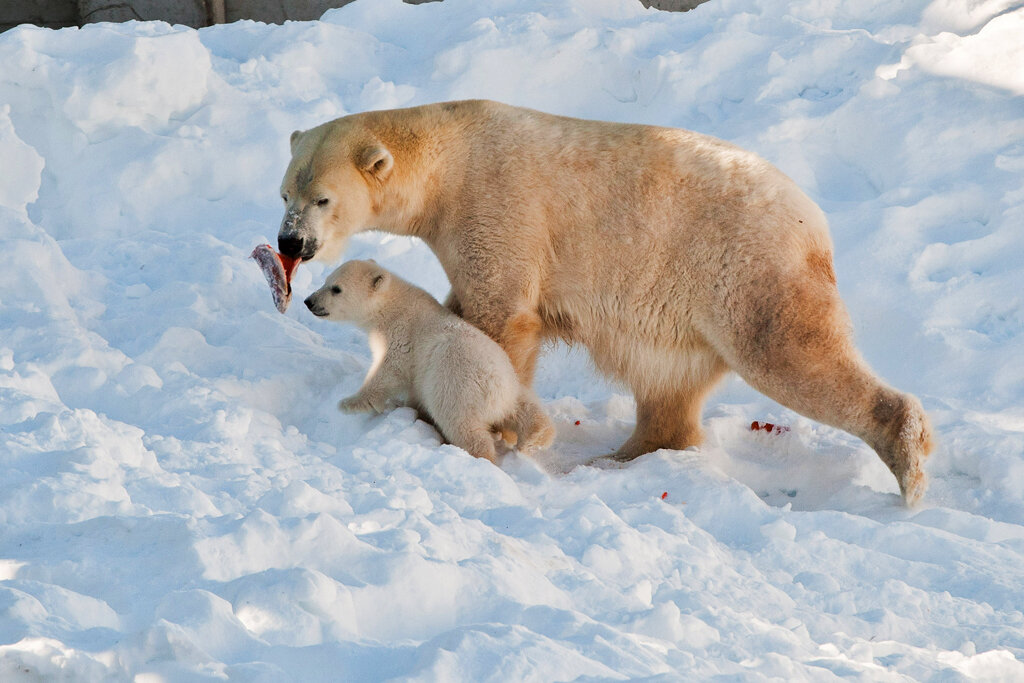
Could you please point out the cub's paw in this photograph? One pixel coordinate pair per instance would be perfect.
(368, 404)
(539, 432)
(355, 404)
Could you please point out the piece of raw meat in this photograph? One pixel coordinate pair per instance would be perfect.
(278, 269)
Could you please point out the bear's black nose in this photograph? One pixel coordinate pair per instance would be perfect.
(290, 246)
(313, 308)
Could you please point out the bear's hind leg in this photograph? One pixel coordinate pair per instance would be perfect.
(669, 405)
(847, 395)
(475, 439)
(531, 427)
(797, 348)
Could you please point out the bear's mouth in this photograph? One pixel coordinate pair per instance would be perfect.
(314, 307)
(289, 264)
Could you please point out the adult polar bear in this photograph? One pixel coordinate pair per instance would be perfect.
(672, 256)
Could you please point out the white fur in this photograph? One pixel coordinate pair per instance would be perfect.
(429, 358)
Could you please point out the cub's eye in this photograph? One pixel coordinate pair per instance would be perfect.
(335, 289)
(284, 198)
(322, 201)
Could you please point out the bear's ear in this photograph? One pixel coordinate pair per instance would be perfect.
(294, 140)
(378, 279)
(376, 160)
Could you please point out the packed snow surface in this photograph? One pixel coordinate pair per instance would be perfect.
(181, 499)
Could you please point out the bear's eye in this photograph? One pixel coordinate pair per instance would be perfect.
(322, 201)
(284, 198)
(335, 289)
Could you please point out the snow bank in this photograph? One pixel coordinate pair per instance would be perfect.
(182, 501)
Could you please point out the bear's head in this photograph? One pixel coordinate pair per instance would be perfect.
(354, 292)
(332, 189)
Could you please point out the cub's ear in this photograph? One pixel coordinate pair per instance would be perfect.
(378, 280)
(295, 138)
(376, 160)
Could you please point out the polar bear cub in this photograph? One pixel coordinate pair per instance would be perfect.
(428, 357)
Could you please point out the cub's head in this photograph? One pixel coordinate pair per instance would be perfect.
(332, 189)
(354, 292)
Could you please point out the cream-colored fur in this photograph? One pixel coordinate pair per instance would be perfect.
(427, 357)
(670, 255)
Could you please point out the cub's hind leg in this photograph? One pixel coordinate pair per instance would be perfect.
(529, 425)
(472, 437)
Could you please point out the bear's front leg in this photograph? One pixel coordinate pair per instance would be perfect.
(520, 337)
(361, 403)
(502, 301)
(516, 328)
(379, 394)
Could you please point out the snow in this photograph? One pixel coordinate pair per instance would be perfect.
(181, 499)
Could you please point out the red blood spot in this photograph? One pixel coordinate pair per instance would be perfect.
(577, 423)
(664, 495)
(756, 426)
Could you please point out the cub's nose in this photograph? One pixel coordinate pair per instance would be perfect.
(313, 308)
(291, 246)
